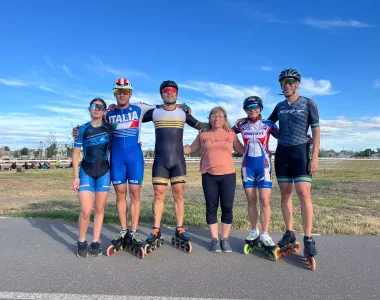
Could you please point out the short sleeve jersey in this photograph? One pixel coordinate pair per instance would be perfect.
(126, 124)
(256, 140)
(294, 120)
(95, 141)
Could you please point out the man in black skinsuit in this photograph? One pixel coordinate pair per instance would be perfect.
(169, 162)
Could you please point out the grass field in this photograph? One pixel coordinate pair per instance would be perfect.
(345, 194)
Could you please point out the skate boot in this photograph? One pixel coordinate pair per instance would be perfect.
(118, 243)
(269, 247)
(181, 239)
(251, 241)
(82, 249)
(134, 245)
(288, 244)
(310, 251)
(153, 241)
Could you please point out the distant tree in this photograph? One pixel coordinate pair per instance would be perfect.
(149, 153)
(366, 153)
(327, 153)
(6, 148)
(51, 150)
(24, 151)
(378, 150)
(235, 154)
(197, 153)
(36, 153)
(69, 150)
(16, 154)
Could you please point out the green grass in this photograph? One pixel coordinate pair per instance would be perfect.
(345, 194)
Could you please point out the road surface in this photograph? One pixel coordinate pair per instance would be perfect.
(38, 261)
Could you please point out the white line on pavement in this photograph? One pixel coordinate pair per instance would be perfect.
(28, 296)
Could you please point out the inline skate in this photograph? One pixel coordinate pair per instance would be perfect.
(118, 243)
(181, 239)
(265, 243)
(153, 241)
(134, 245)
(309, 252)
(288, 244)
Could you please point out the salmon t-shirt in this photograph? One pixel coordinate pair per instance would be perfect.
(217, 152)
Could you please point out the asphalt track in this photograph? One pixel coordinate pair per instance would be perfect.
(38, 261)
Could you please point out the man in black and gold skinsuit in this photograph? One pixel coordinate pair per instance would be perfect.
(169, 162)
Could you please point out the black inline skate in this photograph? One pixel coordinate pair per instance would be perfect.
(288, 244)
(153, 241)
(118, 243)
(181, 239)
(134, 245)
(310, 251)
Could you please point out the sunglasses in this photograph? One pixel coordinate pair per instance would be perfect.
(121, 91)
(252, 107)
(217, 116)
(95, 106)
(289, 81)
(169, 89)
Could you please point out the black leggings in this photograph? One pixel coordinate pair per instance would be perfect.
(215, 187)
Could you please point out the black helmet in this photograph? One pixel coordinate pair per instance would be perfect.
(252, 100)
(289, 73)
(167, 83)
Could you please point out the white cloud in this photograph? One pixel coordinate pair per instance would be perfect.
(253, 11)
(350, 134)
(100, 67)
(376, 84)
(47, 89)
(69, 73)
(223, 91)
(266, 68)
(335, 23)
(11, 82)
(311, 87)
(48, 61)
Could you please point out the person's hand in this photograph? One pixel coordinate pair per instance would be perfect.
(76, 131)
(111, 107)
(238, 122)
(186, 109)
(313, 165)
(76, 184)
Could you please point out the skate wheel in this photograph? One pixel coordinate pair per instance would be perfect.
(311, 261)
(188, 247)
(110, 251)
(246, 249)
(141, 253)
(147, 249)
(277, 252)
(274, 254)
(297, 247)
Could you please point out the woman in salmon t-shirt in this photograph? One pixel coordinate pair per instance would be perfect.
(218, 173)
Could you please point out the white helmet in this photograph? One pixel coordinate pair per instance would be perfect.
(123, 83)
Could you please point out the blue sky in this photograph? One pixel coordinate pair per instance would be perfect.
(57, 56)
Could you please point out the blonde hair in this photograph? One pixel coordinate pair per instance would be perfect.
(226, 126)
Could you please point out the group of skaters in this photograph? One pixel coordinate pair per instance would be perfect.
(115, 130)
